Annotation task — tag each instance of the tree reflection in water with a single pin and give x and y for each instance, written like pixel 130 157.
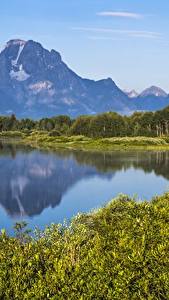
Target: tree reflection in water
pixel 32 180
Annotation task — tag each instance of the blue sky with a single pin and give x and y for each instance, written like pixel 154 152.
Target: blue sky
pixel 127 40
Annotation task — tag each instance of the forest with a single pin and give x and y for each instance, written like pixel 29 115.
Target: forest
pixel 110 124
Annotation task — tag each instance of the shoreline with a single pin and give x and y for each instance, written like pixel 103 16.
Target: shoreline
pixel 43 140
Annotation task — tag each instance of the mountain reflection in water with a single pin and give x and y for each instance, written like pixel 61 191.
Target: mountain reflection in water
pixel 32 180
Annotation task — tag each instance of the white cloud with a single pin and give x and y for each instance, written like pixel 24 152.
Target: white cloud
pixel 120 14
pixel 129 33
pixel 108 38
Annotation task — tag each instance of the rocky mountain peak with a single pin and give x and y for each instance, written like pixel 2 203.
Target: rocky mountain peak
pixel 23 59
pixel 153 91
pixel 131 94
pixel 15 42
pixel 108 81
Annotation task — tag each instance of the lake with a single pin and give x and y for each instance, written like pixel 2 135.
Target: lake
pixel 43 187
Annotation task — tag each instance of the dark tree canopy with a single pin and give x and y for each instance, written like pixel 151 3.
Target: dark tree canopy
pixel 111 124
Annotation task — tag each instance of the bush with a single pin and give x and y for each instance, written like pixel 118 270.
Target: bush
pixel 117 252
pixel 54 133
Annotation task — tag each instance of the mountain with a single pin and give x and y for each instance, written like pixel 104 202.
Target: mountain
pixel 132 94
pixel 152 99
pixel 35 82
pixel 153 91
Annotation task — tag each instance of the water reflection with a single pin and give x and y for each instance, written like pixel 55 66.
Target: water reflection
pixel 31 180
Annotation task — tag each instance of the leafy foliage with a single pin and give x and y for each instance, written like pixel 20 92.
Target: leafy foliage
pixel 117 252
pixel 111 124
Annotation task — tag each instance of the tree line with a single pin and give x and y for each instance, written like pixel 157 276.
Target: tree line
pixel 111 124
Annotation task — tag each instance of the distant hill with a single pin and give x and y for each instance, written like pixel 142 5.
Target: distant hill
pixel 36 83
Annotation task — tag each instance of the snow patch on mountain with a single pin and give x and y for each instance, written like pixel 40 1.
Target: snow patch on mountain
pixel 15 42
pixel 15 61
pixel 68 101
pixel 41 86
pixel 19 75
pixel 131 94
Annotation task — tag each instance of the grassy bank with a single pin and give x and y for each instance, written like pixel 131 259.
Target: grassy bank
pixel 11 134
pixel 117 252
pixel 45 140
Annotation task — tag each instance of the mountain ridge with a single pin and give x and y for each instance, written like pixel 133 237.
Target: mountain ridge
pixel 35 82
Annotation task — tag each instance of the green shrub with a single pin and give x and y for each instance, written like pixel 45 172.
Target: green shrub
pixel 117 252
pixel 54 133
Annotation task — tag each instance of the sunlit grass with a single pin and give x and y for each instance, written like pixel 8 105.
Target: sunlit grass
pixel 43 139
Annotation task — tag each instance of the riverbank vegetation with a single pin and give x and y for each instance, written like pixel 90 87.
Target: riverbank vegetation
pixel 117 252
pixel 106 131
pixel 42 139
pixel 46 140
pixel 106 125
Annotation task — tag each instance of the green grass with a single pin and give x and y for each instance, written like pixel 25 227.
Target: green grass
pixel 117 252
pixel 44 140
pixel 11 134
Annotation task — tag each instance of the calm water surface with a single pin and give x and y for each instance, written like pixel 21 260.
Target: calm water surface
pixel 44 187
